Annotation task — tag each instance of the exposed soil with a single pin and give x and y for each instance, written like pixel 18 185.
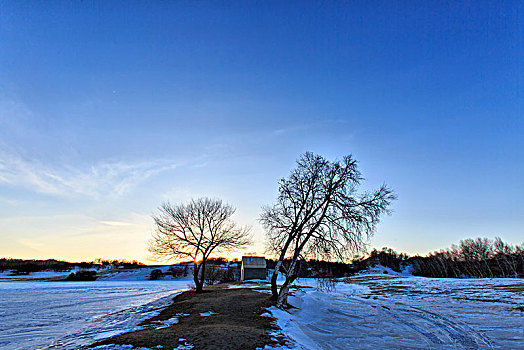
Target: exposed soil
pixel 237 324
pixel 515 288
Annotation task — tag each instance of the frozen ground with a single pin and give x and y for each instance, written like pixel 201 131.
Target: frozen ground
pixel 368 311
pixel 112 274
pixel 66 315
pixel 379 311
pixel 7 275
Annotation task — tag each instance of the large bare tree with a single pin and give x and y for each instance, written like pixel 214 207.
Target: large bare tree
pixel 195 231
pixel 319 213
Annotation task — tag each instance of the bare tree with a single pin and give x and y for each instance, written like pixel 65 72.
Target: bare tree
pixel 195 231
pixel 319 213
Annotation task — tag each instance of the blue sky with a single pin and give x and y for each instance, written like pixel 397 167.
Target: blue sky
pixel 107 109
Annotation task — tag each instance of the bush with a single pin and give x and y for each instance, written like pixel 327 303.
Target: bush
pixel 212 274
pixel 228 275
pixel 177 271
pixel 156 274
pixel 82 275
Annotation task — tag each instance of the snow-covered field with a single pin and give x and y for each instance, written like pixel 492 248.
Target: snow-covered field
pixel 379 311
pixel 367 311
pixel 66 315
pixel 6 275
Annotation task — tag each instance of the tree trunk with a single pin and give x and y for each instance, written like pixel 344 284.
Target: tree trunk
pixel 198 285
pixel 274 289
pixel 284 291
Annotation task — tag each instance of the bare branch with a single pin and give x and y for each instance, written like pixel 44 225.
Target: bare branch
pixel 196 230
pixel 319 212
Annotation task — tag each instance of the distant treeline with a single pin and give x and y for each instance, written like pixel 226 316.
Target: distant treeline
pixel 316 268
pixel 480 257
pixel 22 266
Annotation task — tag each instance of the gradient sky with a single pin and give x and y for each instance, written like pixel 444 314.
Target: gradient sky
pixel 109 108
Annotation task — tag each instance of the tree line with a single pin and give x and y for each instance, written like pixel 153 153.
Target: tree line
pixel 475 258
pixel 26 266
pixel 319 212
pixel 479 257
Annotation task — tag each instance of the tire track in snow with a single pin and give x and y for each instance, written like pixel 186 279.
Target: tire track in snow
pixel 436 329
pixel 336 323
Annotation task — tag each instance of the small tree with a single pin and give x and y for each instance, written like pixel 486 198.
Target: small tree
pixel 196 230
pixel 319 213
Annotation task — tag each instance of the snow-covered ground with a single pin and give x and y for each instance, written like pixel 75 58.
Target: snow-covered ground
pixel 114 274
pixel 381 311
pixel 7 275
pixel 375 310
pixel 66 315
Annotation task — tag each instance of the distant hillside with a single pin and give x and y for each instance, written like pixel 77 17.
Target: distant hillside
pixel 480 257
pixel 23 266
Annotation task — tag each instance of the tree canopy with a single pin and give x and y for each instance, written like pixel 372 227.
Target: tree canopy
pixel 196 230
pixel 319 213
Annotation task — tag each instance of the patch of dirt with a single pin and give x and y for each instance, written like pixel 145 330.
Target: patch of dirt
pixel 486 300
pixel 515 288
pixel 237 324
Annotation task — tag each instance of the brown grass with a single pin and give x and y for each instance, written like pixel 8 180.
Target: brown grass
pixel 515 288
pixel 237 325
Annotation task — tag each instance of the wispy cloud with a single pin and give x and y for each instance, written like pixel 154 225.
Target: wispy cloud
pixel 116 223
pixel 100 180
pixel 309 126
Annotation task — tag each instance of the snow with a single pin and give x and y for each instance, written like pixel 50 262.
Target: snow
pixel 374 310
pixel 140 274
pixel 379 269
pixel 120 347
pixel 209 313
pixel 7 275
pixel 244 285
pixel 367 311
pixel 111 274
pixel 66 315
pixel 185 346
pixel 166 323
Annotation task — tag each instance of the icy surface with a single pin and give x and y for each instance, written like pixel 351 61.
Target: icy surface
pixel 120 347
pixel 66 315
pixel 105 274
pixel 185 346
pixel 8 275
pixel 209 313
pixel 245 285
pixel 140 274
pixel 171 321
pixel 393 312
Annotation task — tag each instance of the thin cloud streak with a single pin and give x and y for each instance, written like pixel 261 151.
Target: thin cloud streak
pixel 116 223
pixel 99 181
pixel 309 126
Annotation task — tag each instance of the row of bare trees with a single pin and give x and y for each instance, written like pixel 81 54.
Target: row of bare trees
pixel 318 213
pixel 480 257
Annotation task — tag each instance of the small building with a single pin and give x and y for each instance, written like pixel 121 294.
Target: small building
pixel 253 267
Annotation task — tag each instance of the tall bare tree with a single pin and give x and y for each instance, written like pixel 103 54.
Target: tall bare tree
pixel 319 213
pixel 195 231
